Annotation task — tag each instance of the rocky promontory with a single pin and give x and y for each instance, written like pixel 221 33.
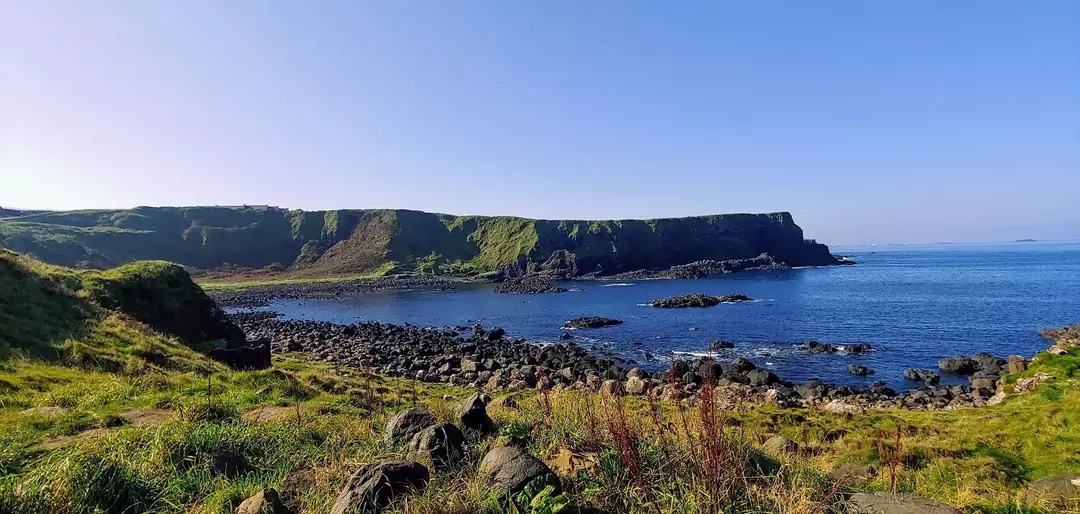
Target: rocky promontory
pixel 591 322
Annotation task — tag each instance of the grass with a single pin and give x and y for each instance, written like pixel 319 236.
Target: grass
pixel 645 456
pixel 70 443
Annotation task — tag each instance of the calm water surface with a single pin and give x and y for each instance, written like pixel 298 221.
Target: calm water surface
pixel 914 304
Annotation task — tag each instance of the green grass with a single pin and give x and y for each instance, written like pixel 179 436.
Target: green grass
pixel 75 452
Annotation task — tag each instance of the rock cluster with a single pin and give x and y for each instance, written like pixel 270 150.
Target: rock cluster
pixel 819 347
pixel 528 285
pixel 705 268
pixel 486 358
pixel 376 486
pixel 591 322
pixel 697 300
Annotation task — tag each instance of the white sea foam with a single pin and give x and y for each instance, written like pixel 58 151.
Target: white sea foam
pixel 618 284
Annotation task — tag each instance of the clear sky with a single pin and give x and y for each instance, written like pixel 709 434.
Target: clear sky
pixel 871 121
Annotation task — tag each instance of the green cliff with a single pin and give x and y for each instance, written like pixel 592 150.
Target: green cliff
pixel 338 242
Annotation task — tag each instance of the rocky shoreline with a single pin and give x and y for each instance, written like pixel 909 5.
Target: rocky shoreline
pixel 261 295
pixel 491 360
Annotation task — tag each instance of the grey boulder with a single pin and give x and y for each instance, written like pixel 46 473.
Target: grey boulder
pixel 886 503
pixel 512 469
pixel 405 424
pixel 375 486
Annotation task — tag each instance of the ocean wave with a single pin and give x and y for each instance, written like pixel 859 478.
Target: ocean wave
pixel 618 284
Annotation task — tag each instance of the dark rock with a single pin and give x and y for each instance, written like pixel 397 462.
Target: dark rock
pixel 495 334
pixel 922 375
pixel 762 377
pixel 818 347
pixel 375 486
pixel 229 466
pixel 721 345
pixel 742 365
pixel 405 424
pixel 443 445
pixel 245 355
pixel 511 469
pixel 472 413
pixel 591 322
pixel 958 365
pixel 528 285
pixel 887 503
pixel 697 300
pixel 860 371
pixel 856 348
pixel 565 336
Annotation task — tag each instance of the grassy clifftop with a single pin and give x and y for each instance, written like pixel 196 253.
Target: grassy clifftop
pixel 350 242
pixel 137 317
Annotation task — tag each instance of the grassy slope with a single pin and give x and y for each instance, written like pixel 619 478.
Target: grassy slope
pixel 644 462
pixel 360 242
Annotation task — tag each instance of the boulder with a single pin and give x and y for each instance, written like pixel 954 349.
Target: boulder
pixel 443 445
pixel 402 426
pixel 958 365
pixel 779 445
pixel 373 487
pixel 852 473
pixel 859 371
pixel 472 414
pixel 762 377
pixel 511 469
pixel 818 347
pixel 609 387
pixel 856 348
pixel 922 375
pixel 265 501
pixel 245 356
pixel 742 365
pixel 721 345
pixel 1017 364
pixel 1054 492
pixel 887 503
pixel 635 385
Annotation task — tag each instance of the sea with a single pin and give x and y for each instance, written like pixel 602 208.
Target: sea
pixel 914 304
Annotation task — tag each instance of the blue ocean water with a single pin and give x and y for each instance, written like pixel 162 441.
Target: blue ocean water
pixel 913 304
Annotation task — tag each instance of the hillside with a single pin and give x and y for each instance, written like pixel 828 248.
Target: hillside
pixel 349 242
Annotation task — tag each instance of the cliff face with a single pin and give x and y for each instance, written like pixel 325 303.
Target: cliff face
pixel 362 241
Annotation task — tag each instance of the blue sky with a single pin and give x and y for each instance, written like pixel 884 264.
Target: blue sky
pixel 881 121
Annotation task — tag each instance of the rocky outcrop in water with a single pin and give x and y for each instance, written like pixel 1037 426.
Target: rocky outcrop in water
pixel 697 300
pixel 528 285
pixel 591 322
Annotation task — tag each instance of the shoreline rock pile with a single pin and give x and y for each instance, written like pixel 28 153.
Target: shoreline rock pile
pixel 486 358
pixel 490 360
